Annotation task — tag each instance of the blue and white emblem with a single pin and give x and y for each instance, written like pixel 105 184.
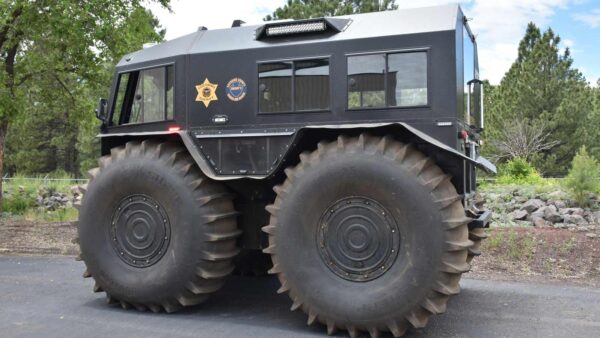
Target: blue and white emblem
pixel 236 89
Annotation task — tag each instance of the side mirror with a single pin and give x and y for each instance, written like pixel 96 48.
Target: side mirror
pixel 101 112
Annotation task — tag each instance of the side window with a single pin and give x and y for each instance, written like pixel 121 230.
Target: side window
pixel 366 81
pixel 120 97
pixel 293 86
pixel 407 79
pixel 275 85
pixel 170 90
pixel 387 80
pixel 311 84
pixel 144 96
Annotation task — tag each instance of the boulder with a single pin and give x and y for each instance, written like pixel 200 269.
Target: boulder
pixel 532 205
pixel 551 214
pixel 574 219
pixel 539 213
pixel 596 216
pixel 521 199
pixel 518 215
pixel 571 211
pixel 559 225
pixel 560 204
pixel 538 222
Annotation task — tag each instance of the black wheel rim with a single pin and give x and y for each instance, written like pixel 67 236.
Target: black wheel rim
pixel 140 231
pixel 358 239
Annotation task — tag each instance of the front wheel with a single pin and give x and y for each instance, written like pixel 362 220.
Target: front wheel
pixel 368 234
pixel 154 232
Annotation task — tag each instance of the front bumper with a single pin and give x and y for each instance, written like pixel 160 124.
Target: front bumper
pixel 482 221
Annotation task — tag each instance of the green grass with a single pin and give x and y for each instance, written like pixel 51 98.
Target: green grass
pixel 20 194
pixel 515 245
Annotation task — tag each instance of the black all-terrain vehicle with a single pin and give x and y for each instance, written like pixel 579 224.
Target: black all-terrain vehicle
pixel 345 148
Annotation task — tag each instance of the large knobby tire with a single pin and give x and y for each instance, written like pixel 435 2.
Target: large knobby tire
pixel 154 232
pixel 477 235
pixel 368 234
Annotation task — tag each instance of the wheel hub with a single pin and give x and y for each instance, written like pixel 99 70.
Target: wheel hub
pixel 358 239
pixel 140 231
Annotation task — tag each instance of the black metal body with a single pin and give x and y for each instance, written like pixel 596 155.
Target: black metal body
pixel 232 141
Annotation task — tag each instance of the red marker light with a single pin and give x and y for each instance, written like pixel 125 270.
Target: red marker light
pixel 174 129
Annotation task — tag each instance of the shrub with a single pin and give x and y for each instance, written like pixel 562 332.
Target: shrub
pixel 583 177
pixel 17 204
pixel 518 171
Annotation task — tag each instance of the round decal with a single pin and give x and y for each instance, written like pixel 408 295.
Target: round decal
pixel 236 89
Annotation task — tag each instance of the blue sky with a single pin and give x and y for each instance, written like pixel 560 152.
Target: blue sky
pixel 498 24
pixel 579 28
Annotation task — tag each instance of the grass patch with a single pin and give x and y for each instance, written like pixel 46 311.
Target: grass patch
pixel 61 215
pixel 20 196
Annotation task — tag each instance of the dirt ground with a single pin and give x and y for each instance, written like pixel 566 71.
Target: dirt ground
pixel 540 254
pixel 30 238
pixel 545 255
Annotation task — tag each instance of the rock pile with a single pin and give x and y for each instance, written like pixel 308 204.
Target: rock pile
pixel 51 200
pixel 517 207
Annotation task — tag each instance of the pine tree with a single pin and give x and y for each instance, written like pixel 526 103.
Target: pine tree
pixel 543 88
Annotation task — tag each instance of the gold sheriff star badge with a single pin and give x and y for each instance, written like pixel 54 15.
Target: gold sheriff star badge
pixel 207 92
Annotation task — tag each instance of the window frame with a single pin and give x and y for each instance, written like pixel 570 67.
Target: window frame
pixel 387 52
pixel 293 85
pixel 119 74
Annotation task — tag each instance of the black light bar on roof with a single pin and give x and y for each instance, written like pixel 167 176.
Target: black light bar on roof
pixel 321 25
pixel 297 28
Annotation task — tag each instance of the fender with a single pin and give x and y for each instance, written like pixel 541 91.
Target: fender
pixel 192 144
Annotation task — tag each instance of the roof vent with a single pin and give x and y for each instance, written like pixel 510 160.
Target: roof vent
pixel 202 28
pixel 298 27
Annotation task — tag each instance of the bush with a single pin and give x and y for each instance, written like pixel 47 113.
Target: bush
pixel 518 171
pixel 583 177
pixel 17 204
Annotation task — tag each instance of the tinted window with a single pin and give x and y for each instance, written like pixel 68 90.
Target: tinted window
pixel 145 96
pixel 387 80
pixel 366 81
pixel 311 84
pixel 468 71
pixel 149 100
pixel 407 79
pixel 293 86
pixel 120 97
pixel 275 86
pixel 170 90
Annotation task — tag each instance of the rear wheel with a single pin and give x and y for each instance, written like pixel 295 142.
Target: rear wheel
pixel 368 234
pixel 154 232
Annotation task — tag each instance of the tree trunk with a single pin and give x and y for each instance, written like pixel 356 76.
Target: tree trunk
pixel 3 131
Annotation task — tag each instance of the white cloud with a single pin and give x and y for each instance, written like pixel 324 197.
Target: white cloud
pixel 592 19
pixel 499 25
pixel 568 43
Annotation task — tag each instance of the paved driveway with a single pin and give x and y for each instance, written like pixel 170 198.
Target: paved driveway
pixel 46 297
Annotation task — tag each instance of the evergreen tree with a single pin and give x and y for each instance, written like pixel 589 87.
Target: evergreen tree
pixel 305 9
pixel 543 88
pixel 56 59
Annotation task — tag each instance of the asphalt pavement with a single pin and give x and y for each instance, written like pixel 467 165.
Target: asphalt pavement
pixel 46 297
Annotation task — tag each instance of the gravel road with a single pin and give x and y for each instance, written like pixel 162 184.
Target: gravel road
pixel 46 297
